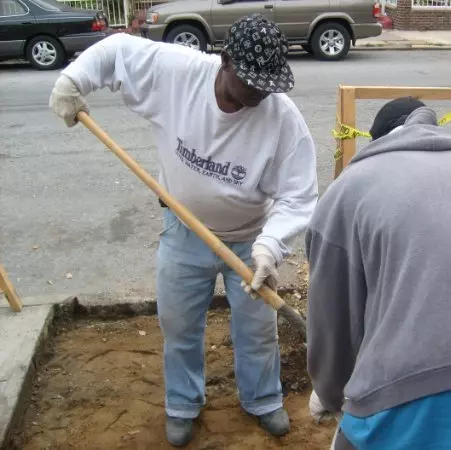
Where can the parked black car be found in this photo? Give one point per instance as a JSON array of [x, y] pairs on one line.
[[46, 32]]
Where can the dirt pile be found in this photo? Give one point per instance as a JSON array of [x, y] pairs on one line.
[[102, 387]]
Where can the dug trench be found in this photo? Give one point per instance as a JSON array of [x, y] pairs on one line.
[[99, 385]]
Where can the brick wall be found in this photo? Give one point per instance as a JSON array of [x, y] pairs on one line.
[[406, 18]]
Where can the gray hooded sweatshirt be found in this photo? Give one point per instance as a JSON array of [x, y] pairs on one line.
[[379, 248]]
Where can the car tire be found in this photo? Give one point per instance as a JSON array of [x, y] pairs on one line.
[[330, 41], [307, 48], [45, 53], [186, 35]]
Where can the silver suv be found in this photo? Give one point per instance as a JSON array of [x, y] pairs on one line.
[[325, 28]]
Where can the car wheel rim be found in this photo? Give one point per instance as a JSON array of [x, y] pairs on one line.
[[188, 40], [332, 42], [44, 53]]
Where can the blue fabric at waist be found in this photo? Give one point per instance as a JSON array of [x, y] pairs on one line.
[[423, 424]]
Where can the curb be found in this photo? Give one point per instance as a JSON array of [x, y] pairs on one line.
[[21, 369], [108, 299], [370, 47]]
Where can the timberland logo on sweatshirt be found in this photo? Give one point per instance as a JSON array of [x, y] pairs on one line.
[[207, 167]]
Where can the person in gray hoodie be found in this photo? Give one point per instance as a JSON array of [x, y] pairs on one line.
[[379, 303]]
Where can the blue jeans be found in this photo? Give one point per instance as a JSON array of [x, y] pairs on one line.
[[186, 277]]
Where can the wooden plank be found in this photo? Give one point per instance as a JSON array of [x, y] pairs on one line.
[[392, 92], [346, 116], [346, 109], [9, 291], [339, 142]]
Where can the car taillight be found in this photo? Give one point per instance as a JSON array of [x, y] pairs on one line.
[[377, 9], [98, 25]]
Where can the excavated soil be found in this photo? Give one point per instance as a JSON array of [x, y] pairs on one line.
[[102, 387]]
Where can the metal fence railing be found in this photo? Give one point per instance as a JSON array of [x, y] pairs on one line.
[[431, 3], [116, 10], [120, 13], [143, 4], [392, 3]]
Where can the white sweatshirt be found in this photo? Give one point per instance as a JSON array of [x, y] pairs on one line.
[[248, 175]]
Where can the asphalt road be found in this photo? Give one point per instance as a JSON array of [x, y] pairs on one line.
[[68, 206]]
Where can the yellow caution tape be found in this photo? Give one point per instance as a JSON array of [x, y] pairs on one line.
[[347, 132], [445, 119], [338, 154]]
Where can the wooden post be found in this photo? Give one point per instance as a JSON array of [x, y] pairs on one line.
[[339, 146], [346, 112], [392, 92], [9, 291]]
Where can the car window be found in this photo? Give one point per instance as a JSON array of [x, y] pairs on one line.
[[11, 8], [48, 5]]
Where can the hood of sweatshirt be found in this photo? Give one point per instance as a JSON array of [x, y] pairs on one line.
[[420, 132]]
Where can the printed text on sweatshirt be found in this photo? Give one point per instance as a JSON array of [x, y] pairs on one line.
[[246, 175]]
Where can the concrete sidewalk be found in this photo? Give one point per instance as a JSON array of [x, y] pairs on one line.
[[407, 40], [20, 334]]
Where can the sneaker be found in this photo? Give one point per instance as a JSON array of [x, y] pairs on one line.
[[276, 422], [179, 431]]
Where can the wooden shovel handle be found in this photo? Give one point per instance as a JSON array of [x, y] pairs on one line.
[[8, 291], [233, 261]]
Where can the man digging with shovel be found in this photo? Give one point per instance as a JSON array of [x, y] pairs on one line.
[[235, 150]]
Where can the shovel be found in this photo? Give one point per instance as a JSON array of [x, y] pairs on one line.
[[234, 262]]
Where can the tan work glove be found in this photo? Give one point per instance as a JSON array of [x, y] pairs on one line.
[[66, 100], [265, 270], [317, 410], [320, 414]]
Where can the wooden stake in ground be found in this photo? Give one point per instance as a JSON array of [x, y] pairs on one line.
[[9, 291], [346, 110]]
